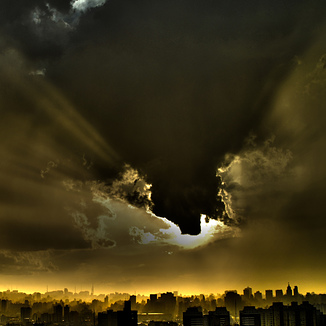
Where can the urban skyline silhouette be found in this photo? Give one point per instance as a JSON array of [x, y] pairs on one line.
[[122, 309]]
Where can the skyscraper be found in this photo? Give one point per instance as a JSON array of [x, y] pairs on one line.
[[269, 295], [247, 293], [193, 317], [219, 317], [250, 316], [289, 291]]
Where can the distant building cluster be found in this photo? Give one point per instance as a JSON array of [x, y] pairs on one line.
[[63, 308], [276, 315]]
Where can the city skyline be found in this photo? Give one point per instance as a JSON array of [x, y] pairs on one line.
[[164, 309], [162, 145], [249, 292]]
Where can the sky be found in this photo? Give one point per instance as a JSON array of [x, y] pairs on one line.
[[158, 145]]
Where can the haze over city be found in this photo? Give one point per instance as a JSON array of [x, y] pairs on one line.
[[153, 146], [85, 308]]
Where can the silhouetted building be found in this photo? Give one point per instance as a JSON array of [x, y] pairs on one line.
[[308, 314], [74, 318], [296, 295], [167, 303], [279, 295], [193, 317], [289, 291], [269, 295], [66, 312], [277, 314], [133, 301], [233, 303], [46, 317], [219, 317], [126, 317], [295, 290], [258, 296], [247, 293], [250, 316], [57, 313], [25, 314], [153, 297], [291, 315], [4, 305], [152, 303], [109, 318]]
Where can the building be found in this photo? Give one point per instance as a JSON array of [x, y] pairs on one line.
[[219, 317], [269, 295], [25, 314], [193, 317], [289, 291], [66, 313], [125, 317], [250, 316], [133, 301], [288, 315], [258, 296], [233, 303], [279, 295], [57, 313], [247, 293]]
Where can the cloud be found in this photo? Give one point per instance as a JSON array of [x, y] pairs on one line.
[[55, 204], [169, 88], [107, 217], [174, 81], [28, 262], [43, 143], [177, 85], [83, 5], [132, 187], [257, 171]]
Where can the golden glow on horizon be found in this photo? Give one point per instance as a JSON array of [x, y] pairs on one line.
[[182, 291]]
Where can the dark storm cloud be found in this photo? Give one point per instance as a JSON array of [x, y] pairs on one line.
[[172, 85], [176, 85]]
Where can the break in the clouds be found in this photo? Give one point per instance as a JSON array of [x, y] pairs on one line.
[[120, 215]]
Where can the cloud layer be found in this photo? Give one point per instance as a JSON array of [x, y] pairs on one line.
[[127, 140]]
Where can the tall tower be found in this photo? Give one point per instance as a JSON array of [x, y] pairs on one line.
[[247, 293], [269, 295], [295, 291], [289, 291]]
